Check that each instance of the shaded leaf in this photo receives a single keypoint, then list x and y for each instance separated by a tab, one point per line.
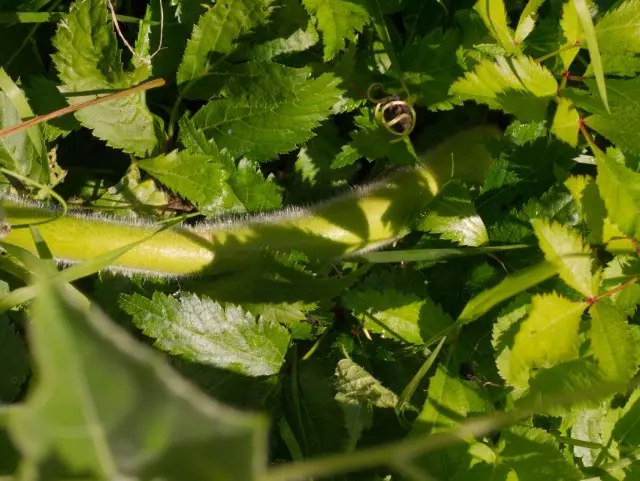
121	411
338	21
400	315
216	34
519	86
13	359
354	385
203	331
453	216
612	342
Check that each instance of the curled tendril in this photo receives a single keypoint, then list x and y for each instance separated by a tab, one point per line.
397	116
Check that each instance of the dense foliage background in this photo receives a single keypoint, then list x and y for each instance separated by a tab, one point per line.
499	340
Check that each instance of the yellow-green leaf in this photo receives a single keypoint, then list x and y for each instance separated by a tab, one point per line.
566	122
494	16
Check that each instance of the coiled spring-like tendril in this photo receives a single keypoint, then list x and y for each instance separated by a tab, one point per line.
397	116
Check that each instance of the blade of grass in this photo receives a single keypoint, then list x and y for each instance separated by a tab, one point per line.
416	255
592	44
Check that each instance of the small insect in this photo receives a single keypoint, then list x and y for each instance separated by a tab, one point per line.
394	114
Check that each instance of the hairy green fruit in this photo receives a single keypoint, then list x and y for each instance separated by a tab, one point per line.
366	218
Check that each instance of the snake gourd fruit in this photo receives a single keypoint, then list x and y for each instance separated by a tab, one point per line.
363	219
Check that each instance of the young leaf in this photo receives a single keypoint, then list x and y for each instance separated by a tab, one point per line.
527	20
262	131
548	336
338	21
453	216
620	190
612	342
403	316
592	43
572	31
216	32
494	16
566	122
203	331
567	251
355	385
97	390
87	58
519	86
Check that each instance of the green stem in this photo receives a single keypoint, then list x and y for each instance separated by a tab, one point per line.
364	219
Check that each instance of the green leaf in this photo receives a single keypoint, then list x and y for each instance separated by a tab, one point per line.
354	385
261	131
594	426
24	151
508	287
193	176
620	124
627	429
533	454
449	401
217	32
572	31
203	331
494	16
97	390
453	216
548	336
87	58
519	86
13	359
527	20
400	315
612	342
505	330
592	43
620	190
338	21
568	253
566	122
617	30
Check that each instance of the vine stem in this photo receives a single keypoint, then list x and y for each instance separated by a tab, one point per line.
149	84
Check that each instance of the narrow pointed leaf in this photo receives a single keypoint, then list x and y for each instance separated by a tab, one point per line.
494	16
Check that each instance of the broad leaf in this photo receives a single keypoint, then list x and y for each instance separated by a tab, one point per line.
87	58
338	21
354	385
505	330
449	401
203	331
394	314
566	250
116	392
533	454
548	336
612	342
216	33
620	190
261	131
617	30
453	216
519	86
494	16
24	151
